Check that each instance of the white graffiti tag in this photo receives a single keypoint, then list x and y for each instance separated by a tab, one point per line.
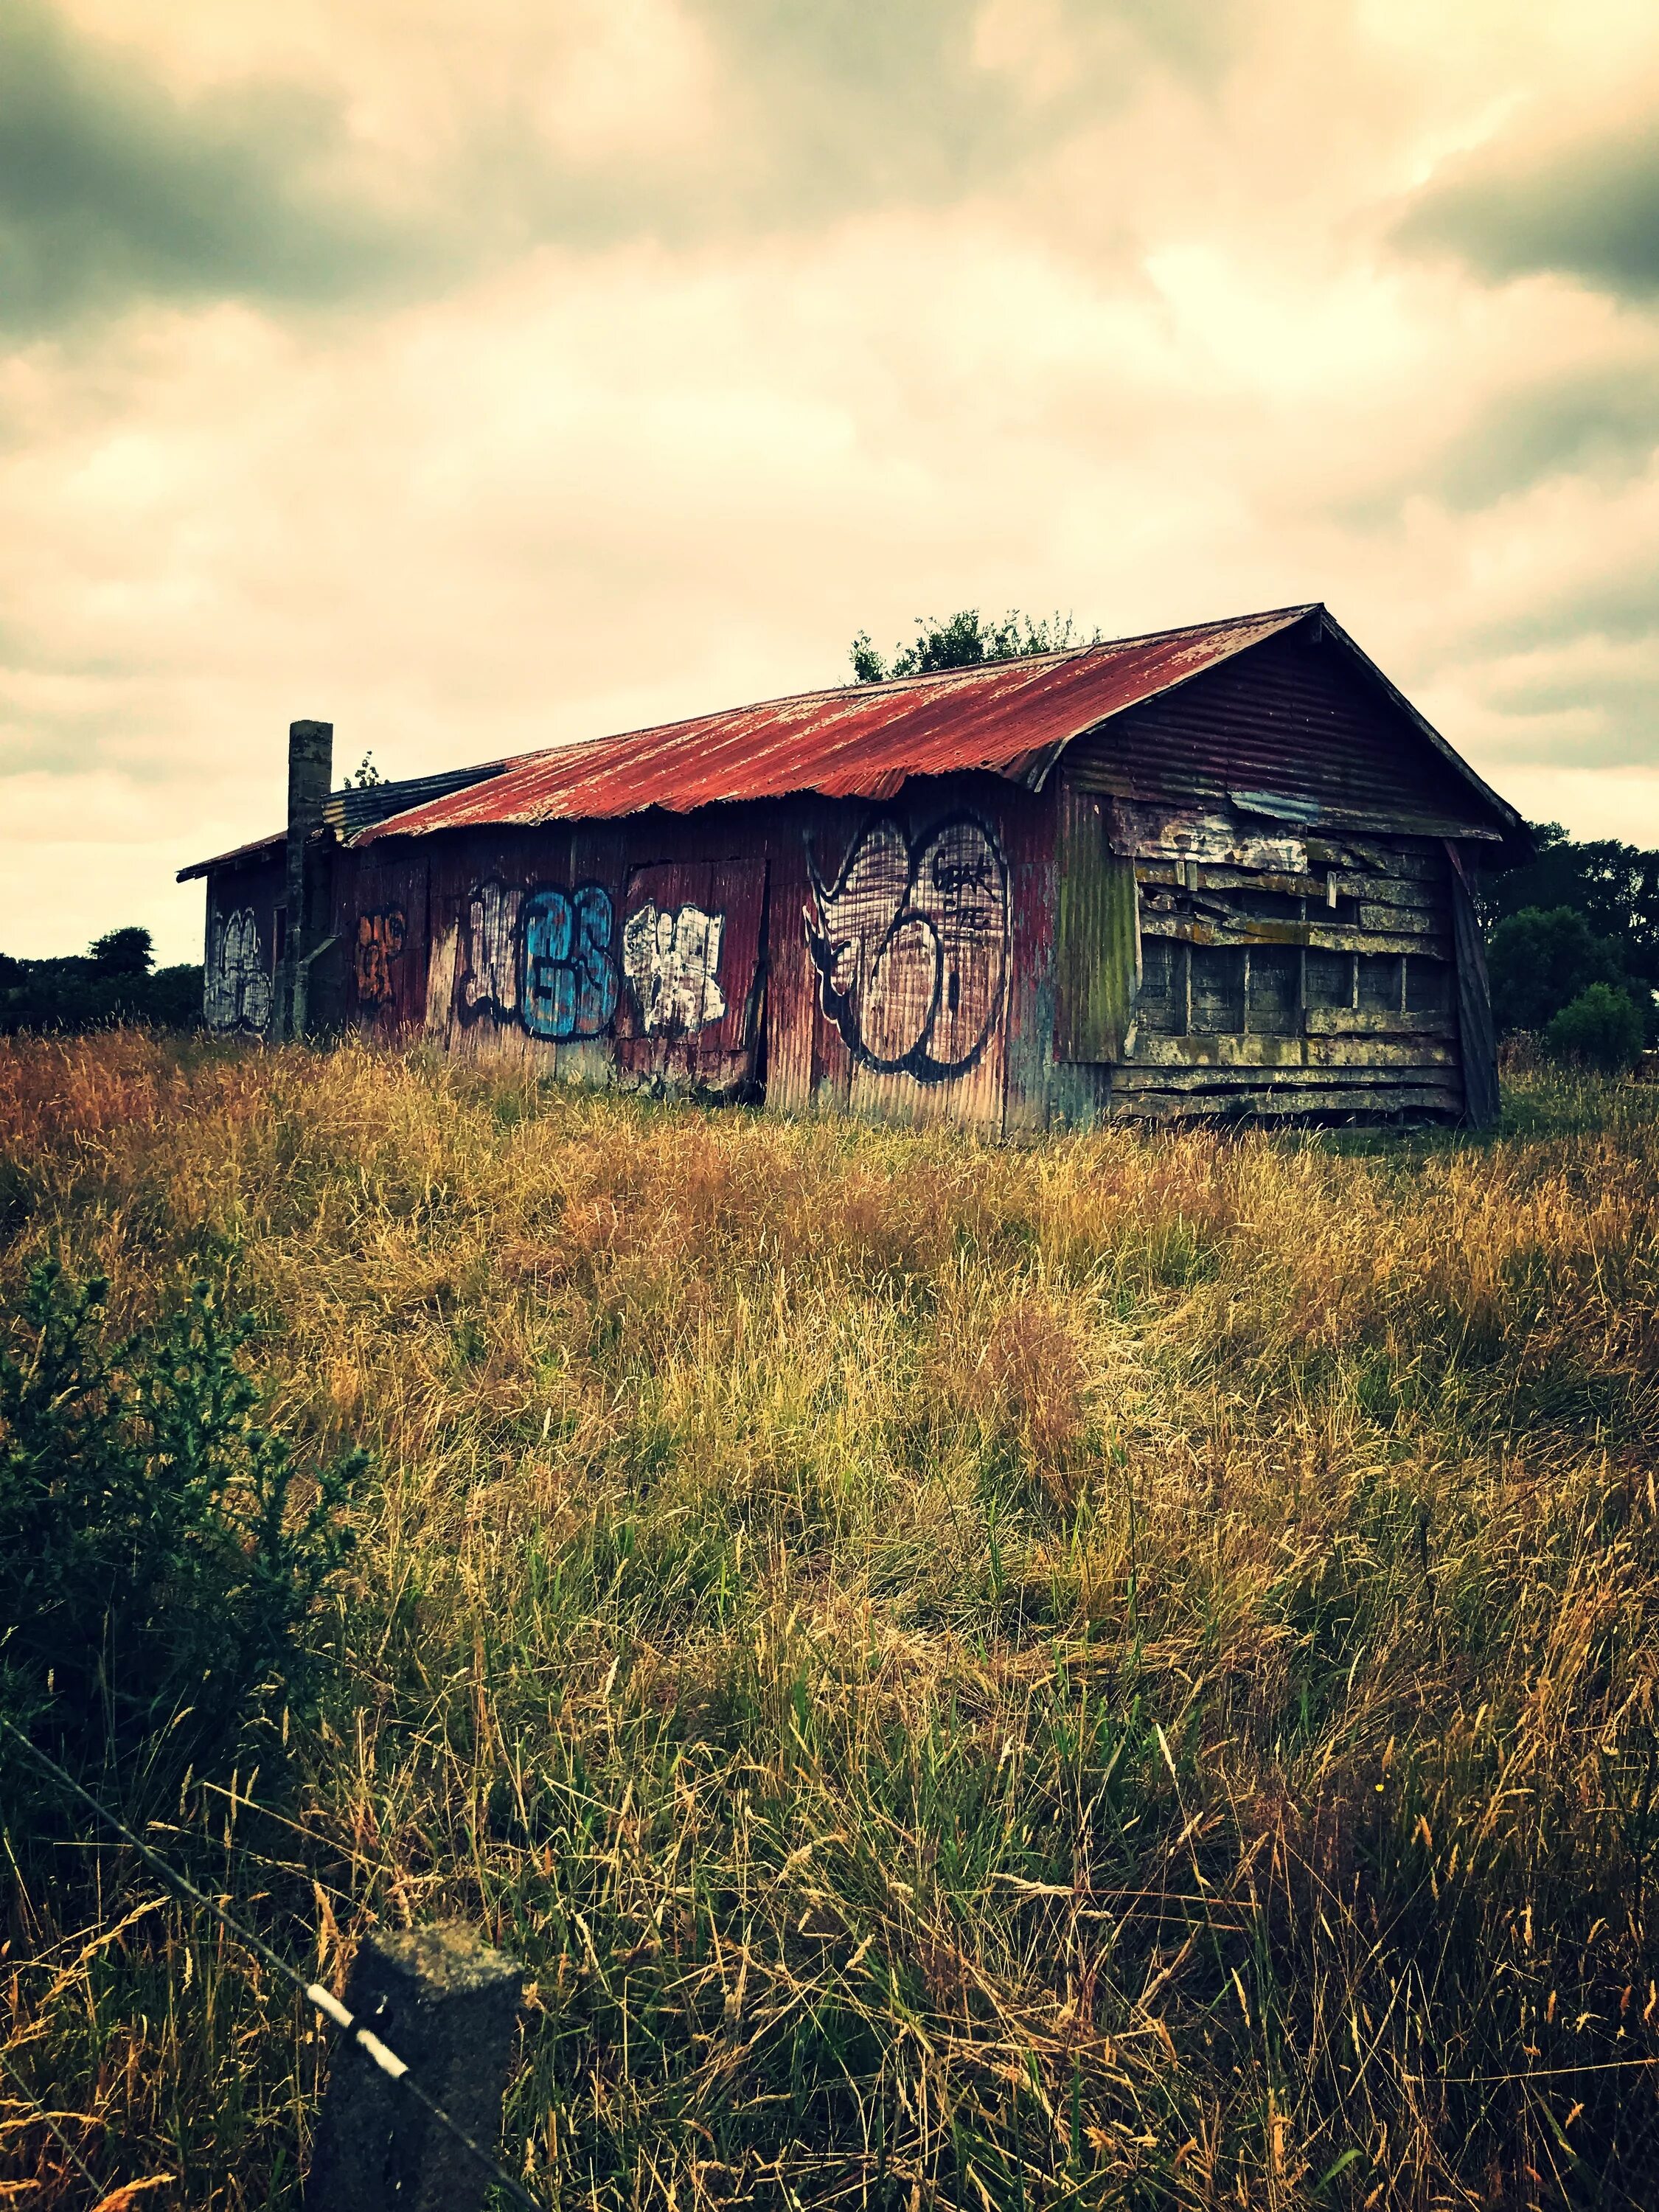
236	990
670	955
490	982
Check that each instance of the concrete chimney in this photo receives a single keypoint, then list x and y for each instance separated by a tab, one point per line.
310	772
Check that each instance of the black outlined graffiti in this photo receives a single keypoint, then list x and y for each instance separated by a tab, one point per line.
567	971
911	946
490	980
380	942
235	988
671	956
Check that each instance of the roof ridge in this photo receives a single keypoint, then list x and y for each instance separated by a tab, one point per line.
856	689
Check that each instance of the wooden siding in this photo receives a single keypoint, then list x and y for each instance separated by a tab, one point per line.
1286	974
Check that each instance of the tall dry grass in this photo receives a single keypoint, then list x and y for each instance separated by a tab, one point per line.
1121	1672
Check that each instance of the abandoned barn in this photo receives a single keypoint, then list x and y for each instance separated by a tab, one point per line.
1224	870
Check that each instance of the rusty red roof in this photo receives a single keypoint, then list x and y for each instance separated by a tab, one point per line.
858	740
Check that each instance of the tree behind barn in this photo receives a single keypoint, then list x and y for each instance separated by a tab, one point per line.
965	640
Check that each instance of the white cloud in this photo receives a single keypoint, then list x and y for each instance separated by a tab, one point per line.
1165	365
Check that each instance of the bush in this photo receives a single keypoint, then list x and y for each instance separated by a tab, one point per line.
1540	961
1602	1027
155	1585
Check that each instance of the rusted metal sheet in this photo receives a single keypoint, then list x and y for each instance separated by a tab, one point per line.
688	1012
383	933
1097	935
854	741
354	808
1290	736
241	947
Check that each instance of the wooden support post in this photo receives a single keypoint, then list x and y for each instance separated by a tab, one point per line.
447	2004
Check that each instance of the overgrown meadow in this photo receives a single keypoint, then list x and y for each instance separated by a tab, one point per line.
1117	1672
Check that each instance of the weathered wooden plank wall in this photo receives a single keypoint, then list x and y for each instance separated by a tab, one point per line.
1286	973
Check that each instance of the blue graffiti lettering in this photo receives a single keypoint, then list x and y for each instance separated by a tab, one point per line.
567	973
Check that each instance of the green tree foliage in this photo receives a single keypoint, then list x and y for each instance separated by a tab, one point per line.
115	980
1539	960
965	640
1615	888
1601	1028
160	1565
127	952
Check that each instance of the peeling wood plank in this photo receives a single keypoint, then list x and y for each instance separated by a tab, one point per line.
1383	1021
1314	934
1221	1050
1385	890
1380	1052
1228	1075
1286	1105
1263	1054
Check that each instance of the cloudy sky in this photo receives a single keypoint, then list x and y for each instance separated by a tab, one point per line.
481	376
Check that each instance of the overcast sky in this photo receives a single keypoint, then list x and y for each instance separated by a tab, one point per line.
482	376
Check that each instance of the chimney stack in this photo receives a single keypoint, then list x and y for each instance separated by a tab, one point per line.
310	772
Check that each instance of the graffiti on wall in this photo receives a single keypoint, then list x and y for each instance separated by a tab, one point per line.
911	946
567	971
490	980
380	942
542	957
671	956
236	989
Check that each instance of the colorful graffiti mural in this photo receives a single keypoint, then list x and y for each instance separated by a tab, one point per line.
911	945
236	989
380	942
567	971
671	956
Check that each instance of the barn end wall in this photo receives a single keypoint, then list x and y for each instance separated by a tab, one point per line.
1278	969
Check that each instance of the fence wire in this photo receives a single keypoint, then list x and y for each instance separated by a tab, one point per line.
326	2002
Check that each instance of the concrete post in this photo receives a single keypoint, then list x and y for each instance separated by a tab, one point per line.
447	2004
309	771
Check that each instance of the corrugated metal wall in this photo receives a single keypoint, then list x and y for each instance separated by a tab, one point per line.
1293	718
241	947
841	955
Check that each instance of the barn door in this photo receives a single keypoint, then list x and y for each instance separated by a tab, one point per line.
689	948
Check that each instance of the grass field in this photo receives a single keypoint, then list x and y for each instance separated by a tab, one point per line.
1117	1672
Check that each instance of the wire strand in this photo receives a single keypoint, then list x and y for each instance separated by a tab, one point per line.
49	2121
387	2061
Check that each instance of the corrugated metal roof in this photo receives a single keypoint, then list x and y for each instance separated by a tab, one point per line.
1013	718
356	808
859	740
